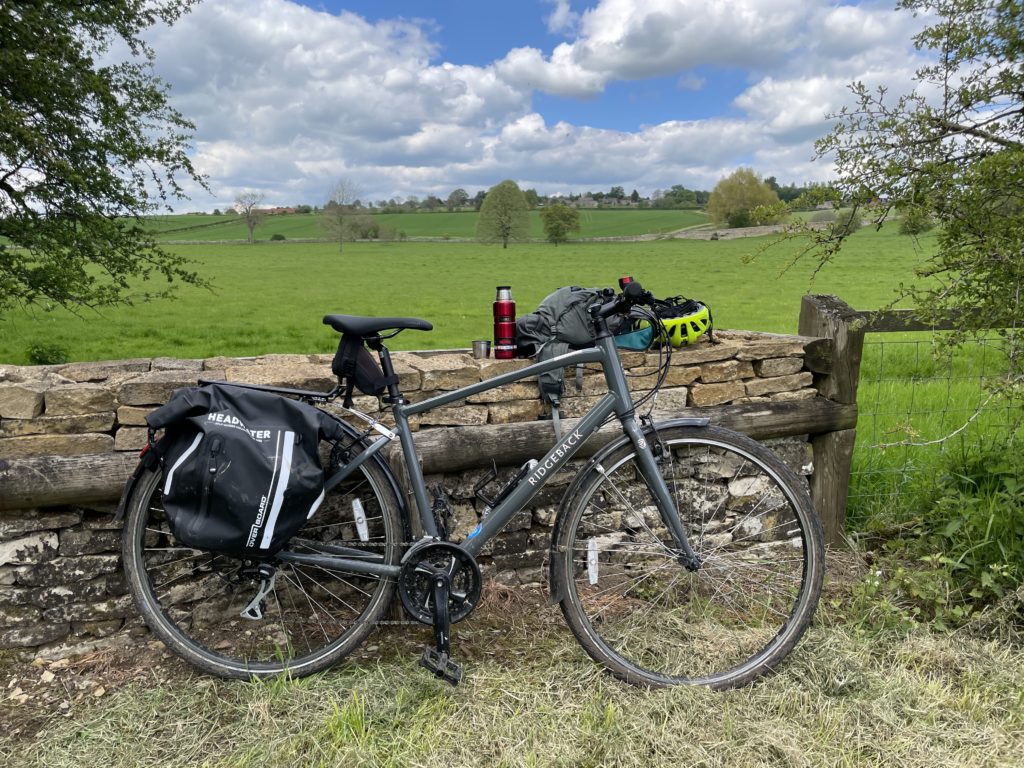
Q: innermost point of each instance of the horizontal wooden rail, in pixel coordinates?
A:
(51, 480)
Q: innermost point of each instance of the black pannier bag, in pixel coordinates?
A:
(241, 469)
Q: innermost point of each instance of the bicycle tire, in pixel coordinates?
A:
(636, 610)
(314, 617)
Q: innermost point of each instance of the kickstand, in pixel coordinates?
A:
(437, 659)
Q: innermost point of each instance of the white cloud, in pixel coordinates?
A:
(286, 98)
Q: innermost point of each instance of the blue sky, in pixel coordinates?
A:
(403, 98)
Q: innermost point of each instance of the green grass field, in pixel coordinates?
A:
(271, 297)
(596, 223)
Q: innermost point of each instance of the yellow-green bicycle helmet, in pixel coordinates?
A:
(693, 321)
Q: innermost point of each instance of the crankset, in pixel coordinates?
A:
(422, 564)
(439, 584)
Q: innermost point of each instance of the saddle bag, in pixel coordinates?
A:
(241, 468)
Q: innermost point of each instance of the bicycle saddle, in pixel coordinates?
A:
(366, 326)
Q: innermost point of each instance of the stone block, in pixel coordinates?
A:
(176, 364)
(54, 445)
(96, 628)
(446, 372)
(516, 391)
(778, 366)
(490, 367)
(701, 352)
(670, 402)
(677, 376)
(7, 577)
(114, 608)
(133, 416)
(17, 615)
(66, 570)
(21, 400)
(130, 438)
(155, 387)
(33, 635)
(57, 425)
(296, 375)
(35, 548)
(757, 387)
(455, 416)
(729, 370)
(104, 369)
(772, 346)
(799, 394)
(85, 542)
(221, 363)
(512, 413)
(79, 592)
(506, 543)
(18, 522)
(716, 394)
(79, 399)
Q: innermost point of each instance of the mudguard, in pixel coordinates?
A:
(553, 595)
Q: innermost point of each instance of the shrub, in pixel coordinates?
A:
(848, 221)
(46, 353)
(821, 217)
(915, 221)
(277, 237)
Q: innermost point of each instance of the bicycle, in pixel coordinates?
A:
(682, 552)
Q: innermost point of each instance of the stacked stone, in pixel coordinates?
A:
(60, 578)
(60, 575)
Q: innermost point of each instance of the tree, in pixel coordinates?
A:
(340, 204)
(532, 198)
(504, 214)
(734, 200)
(457, 199)
(246, 205)
(559, 220)
(949, 151)
(85, 152)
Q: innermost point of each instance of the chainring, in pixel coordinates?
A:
(415, 581)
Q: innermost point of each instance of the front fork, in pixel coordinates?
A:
(662, 496)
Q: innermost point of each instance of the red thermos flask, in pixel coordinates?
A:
(504, 324)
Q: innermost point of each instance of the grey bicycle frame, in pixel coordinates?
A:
(617, 401)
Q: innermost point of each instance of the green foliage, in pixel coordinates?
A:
(559, 220)
(47, 353)
(915, 220)
(736, 198)
(85, 151)
(847, 221)
(950, 152)
(277, 237)
(504, 215)
(960, 550)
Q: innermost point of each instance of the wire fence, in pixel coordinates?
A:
(923, 414)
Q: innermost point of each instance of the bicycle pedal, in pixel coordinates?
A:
(441, 665)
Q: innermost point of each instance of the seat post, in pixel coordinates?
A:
(376, 344)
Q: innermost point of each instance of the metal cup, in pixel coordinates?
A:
(481, 349)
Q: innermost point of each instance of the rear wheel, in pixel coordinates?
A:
(309, 618)
(636, 609)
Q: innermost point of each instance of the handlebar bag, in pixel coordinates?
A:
(241, 468)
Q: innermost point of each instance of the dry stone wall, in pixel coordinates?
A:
(61, 587)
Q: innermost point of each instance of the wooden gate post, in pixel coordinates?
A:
(832, 318)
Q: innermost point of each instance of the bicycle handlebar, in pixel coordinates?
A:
(632, 294)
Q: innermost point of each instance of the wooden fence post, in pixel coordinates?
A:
(832, 318)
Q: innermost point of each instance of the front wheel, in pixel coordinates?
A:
(308, 618)
(638, 611)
